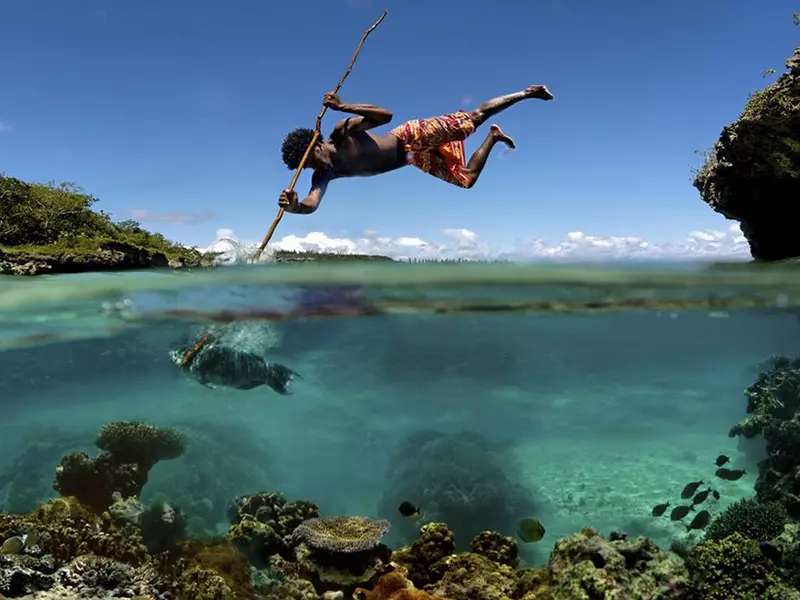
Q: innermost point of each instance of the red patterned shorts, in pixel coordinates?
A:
(436, 145)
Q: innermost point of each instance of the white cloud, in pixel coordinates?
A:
(465, 244)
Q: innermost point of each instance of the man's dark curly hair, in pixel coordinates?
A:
(294, 146)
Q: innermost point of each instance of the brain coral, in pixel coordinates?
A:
(342, 534)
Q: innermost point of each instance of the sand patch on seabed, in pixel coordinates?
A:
(614, 485)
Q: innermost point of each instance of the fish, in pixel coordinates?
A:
(771, 551)
(700, 520)
(721, 460)
(31, 539)
(530, 530)
(690, 489)
(659, 510)
(700, 497)
(214, 365)
(715, 493)
(12, 545)
(679, 512)
(730, 474)
(409, 510)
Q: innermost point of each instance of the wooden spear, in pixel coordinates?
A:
(314, 139)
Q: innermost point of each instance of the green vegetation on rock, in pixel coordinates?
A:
(55, 220)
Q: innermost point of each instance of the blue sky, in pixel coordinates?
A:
(176, 110)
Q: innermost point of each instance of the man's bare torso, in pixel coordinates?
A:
(363, 153)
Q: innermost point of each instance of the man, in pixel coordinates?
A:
(434, 145)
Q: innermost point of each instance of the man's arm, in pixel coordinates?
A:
(368, 115)
(319, 185)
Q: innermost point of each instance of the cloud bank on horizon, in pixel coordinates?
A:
(708, 244)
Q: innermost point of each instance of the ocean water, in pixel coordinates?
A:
(582, 395)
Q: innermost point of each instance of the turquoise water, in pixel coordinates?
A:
(581, 395)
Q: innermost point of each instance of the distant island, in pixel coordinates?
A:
(49, 228)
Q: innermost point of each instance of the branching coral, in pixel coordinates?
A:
(752, 519)
(130, 450)
(735, 569)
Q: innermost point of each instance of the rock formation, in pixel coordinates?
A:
(752, 174)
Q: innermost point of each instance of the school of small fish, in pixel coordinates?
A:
(702, 518)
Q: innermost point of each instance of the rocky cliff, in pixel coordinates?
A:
(752, 174)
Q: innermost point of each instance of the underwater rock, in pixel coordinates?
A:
(752, 174)
(773, 407)
(585, 566)
(434, 543)
(734, 568)
(130, 450)
(461, 479)
(498, 548)
(472, 577)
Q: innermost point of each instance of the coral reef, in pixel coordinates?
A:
(752, 174)
(434, 543)
(585, 566)
(341, 551)
(734, 568)
(392, 586)
(472, 577)
(773, 407)
(462, 480)
(497, 548)
(262, 524)
(750, 518)
(130, 449)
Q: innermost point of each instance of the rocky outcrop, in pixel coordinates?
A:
(752, 174)
(110, 256)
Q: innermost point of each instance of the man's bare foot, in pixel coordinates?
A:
(502, 137)
(538, 91)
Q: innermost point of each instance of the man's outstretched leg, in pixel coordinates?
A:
(478, 160)
(488, 109)
(496, 105)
